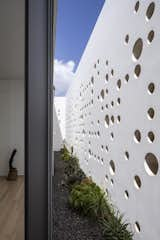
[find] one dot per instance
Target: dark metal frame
(38, 118)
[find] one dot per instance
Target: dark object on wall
(12, 175)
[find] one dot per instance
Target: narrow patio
(68, 225)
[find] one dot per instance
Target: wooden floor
(12, 209)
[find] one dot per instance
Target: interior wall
(12, 22)
(11, 124)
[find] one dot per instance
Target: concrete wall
(11, 124)
(112, 111)
(60, 107)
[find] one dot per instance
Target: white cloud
(63, 76)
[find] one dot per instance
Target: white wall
(57, 136)
(60, 107)
(12, 22)
(11, 124)
(126, 107)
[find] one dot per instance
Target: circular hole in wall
(126, 38)
(127, 155)
(118, 84)
(112, 182)
(112, 72)
(136, 6)
(127, 77)
(151, 88)
(112, 136)
(112, 167)
(137, 227)
(137, 70)
(151, 164)
(151, 137)
(150, 10)
(150, 36)
(137, 136)
(106, 177)
(102, 94)
(126, 194)
(137, 48)
(92, 80)
(118, 119)
(112, 103)
(118, 101)
(107, 120)
(107, 77)
(137, 182)
(151, 113)
(112, 119)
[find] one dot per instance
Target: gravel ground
(67, 224)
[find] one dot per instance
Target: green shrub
(72, 166)
(89, 200)
(114, 228)
(64, 149)
(72, 169)
(76, 178)
(65, 155)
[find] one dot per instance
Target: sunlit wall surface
(112, 111)
(60, 107)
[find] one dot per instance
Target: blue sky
(75, 22)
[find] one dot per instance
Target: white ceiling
(12, 39)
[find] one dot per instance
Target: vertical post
(38, 118)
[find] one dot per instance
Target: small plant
(73, 172)
(72, 166)
(65, 155)
(89, 200)
(114, 228)
(76, 178)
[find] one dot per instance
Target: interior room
(12, 119)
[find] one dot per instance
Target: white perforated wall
(60, 107)
(113, 110)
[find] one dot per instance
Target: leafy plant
(72, 166)
(65, 155)
(89, 199)
(64, 149)
(114, 228)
